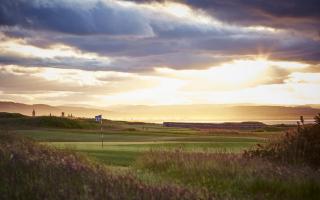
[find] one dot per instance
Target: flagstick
(101, 132)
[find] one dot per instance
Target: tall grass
(300, 146)
(32, 171)
(231, 176)
(286, 168)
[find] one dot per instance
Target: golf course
(123, 142)
(81, 158)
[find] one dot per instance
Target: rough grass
(32, 171)
(232, 176)
(287, 168)
(299, 147)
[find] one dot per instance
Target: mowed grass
(123, 148)
(124, 142)
(113, 133)
(125, 153)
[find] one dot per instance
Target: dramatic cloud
(33, 80)
(74, 17)
(159, 51)
(297, 15)
(174, 30)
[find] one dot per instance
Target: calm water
(269, 122)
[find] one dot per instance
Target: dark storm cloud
(140, 55)
(303, 50)
(95, 17)
(283, 8)
(139, 40)
(181, 60)
(299, 15)
(56, 62)
(74, 17)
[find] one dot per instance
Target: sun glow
(178, 10)
(233, 75)
(76, 77)
(183, 11)
(262, 29)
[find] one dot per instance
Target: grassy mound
(16, 121)
(4, 115)
(32, 171)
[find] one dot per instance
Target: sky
(144, 52)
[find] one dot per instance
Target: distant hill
(215, 112)
(10, 121)
(46, 110)
(172, 112)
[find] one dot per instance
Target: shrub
(299, 146)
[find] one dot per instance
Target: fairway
(125, 153)
(125, 142)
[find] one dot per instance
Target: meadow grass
(229, 175)
(32, 171)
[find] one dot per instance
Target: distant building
(226, 125)
(33, 113)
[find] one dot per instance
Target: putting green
(124, 144)
(124, 153)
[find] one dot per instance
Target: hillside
(215, 112)
(172, 112)
(10, 121)
(42, 109)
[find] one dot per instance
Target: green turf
(89, 136)
(64, 135)
(125, 153)
(113, 158)
(124, 141)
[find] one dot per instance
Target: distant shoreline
(267, 122)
